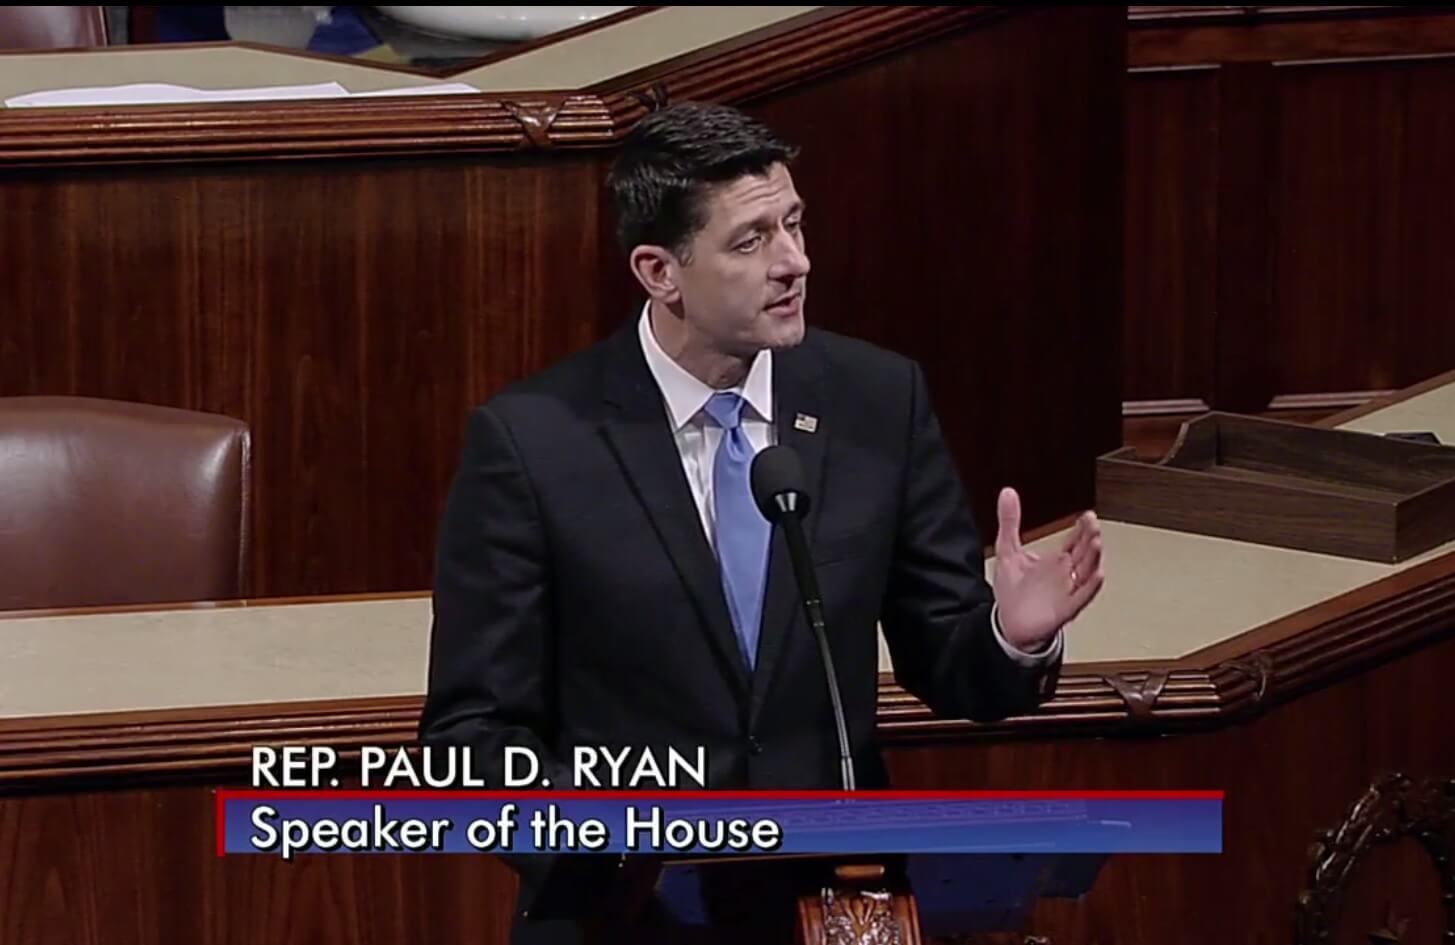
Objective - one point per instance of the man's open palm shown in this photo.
(1041, 593)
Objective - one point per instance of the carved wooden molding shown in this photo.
(535, 120)
(766, 61)
(859, 917)
(1248, 15)
(1140, 696)
(1393, 808)
(859, 906)
(178, 745)
(1228, 684)
(1331, 400)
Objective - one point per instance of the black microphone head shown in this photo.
(778, 487)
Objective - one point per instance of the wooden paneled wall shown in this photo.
(1290, 211)
(351, 278)
(351, 312)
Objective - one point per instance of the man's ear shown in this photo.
(657, 270)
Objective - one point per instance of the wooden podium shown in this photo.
(811, 900)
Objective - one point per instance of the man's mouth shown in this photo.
(785, 301)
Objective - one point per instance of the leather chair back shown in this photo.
(106, 502)
(52, 27)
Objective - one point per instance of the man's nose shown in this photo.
(792, 262)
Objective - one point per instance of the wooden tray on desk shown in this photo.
(1356, 495)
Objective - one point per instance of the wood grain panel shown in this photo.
(987, 255)
(1168, 339)
(1424, 282)
(1324, 180)
(144, 871)
(1287, 776)
(1243, 372)
(1336, 200)
(1315, 33)
(1363, 205)
(350, 312)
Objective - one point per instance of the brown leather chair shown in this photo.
(52, 27)
(106, 502)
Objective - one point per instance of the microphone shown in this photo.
(777, 479)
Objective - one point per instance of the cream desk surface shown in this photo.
(1168, 594)
(571, 62)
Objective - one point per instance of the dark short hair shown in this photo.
(658, 182)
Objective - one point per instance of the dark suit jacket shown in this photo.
(578, 602)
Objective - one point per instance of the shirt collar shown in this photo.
(686, 395)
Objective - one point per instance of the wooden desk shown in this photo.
(1291, 680)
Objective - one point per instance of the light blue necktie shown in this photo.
(742, 531)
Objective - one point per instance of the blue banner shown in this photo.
(291, 823)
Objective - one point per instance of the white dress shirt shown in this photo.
(697, 438)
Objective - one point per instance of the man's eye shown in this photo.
(795, 224)
(749, 244)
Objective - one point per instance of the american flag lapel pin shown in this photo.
(805, 422)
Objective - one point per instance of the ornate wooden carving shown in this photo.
(1140, 695)
(1393, 808)
(860, 905)
(1258, 668)
(536, 119)
(859, 917)
(653, 98)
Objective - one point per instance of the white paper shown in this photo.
(157, 93)
(444, 88)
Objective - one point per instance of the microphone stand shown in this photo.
(813, 610)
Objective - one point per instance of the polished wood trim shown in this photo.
(1160, 408)
(1409, 393)
(326, 128)
(1221, 685)
(209, 605)
(1326, 401)
(1318, 35)
(1147, 16)
(213, 739)
(769, 60)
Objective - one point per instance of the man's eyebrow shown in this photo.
(764, 221)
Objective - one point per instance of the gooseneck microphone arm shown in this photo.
(813, 610)
(776, 478)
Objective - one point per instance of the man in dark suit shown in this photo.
(604, 578)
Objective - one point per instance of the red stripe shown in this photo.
(417, 795)
(221, 819)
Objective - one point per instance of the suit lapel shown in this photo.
(639, 434)
(799, 404)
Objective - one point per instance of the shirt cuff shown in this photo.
(1039, 658)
